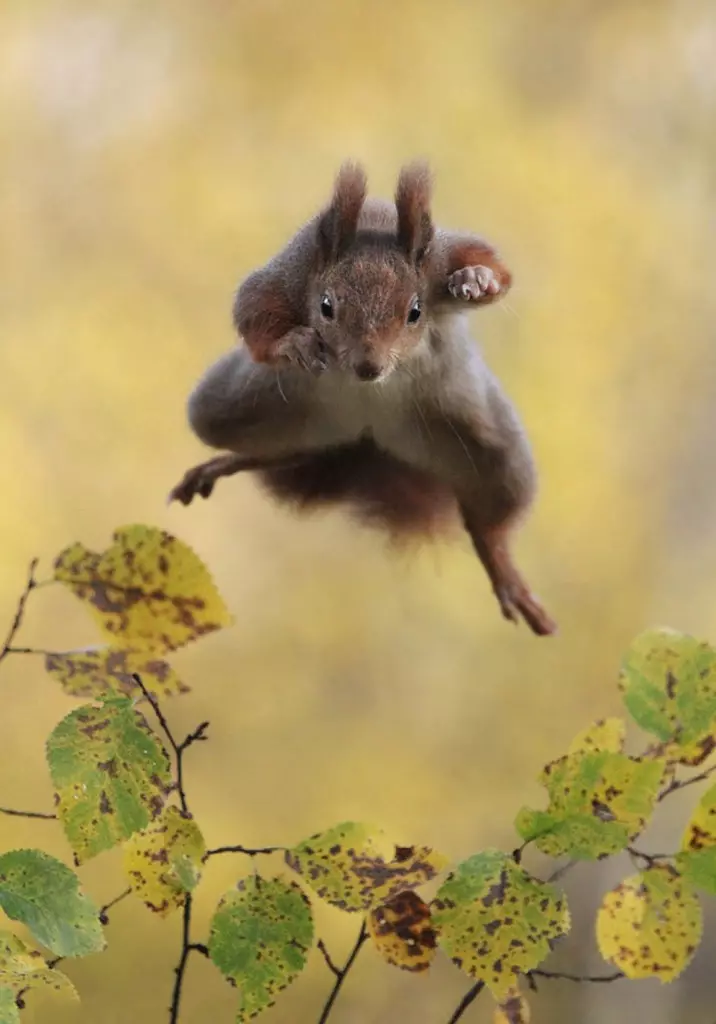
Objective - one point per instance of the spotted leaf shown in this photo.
(514, 1009)
(148, 590)
(99, 671)
(650, 924)
(668, 681)
(9, 1010)
(605, 734)
(163, 861)
(598, 801)
(402, 932)
(44, 894)
(697, 859)
(350, 865)
(495, 921)
(260, 937)
(110, 772)
(23, 967)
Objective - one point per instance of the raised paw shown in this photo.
(199, 480)
(304, 349)
(473, 283)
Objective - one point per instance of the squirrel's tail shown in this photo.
(380, 489)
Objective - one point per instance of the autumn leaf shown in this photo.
(99, 671)
(604, 734)
(514, 1009)
(44, 894)
(346, 866)
(668, 681)
(598, 800)
(697, 859)
(147, 591)
(402, 932)
(650, 924)
(23, 968)
(163, 861)
(110, 772)
(495, 921)
(260, 936)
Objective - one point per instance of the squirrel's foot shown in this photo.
(199, 480)
(305, 349)
(516, 600)
(473, 283)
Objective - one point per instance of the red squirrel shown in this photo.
(359, 384)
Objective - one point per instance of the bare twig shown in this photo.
(180, 969)
(595, 979)
(677, 784)
(341, 972)
(28, 814)
(467, 1000)
(249, 851)
(650, 859)
(327, 957)
(20, 610)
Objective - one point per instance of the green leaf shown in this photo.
(497, 922)
(148, 590)
(346, 865)
(650, 925)
(668, 681)
(44, 894)
(98, 671)
(163, 862)
(9, 1012)
(697, 859)
(110, 772)
(23, 967)
(260, 937)
(598, 802)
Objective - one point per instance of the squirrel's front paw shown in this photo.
(473, 283)
(199, 480)
(305, 349)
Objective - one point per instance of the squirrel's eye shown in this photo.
(414, 312)
(326, 307)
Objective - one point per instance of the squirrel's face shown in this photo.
(369, 311)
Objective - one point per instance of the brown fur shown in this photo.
(412, 202)
(338, 225)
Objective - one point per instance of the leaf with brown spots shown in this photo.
(347, 865)
(514, 1009)
(23, 967)
(650, 925)
(495, 921)
(163, 862)
(604, 734)
(598, 801)
(45, 895)
(148, 590)
(402, 932)
(9, 1010)
(697, 859)
(668, 681)
(110, 772)
(98, 671)
(260, 937)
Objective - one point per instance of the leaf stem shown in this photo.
(467, 1000)
(341, 972)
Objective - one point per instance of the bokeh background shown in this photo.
(151, 155)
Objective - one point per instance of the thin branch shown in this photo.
(341, 973)
(467, 1000)
(677, 784)
(327, 957)
(562, 871)
(649, 858)
(28, 814)
(590, 978)
(30, 650)
(20, 610)
(249, 851)
(180, 970)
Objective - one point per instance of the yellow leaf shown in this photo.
(22, 966)
(163, 862)
(403, 933)
(95, 672)
(650, 925)
(514, 1009)
(606, 734)
(148, 590)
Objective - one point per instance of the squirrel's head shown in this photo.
(368, 297)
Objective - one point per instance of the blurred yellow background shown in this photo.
(152, 154)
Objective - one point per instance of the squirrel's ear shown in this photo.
(338, 225)
(412, 200)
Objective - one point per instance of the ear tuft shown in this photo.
(338, 225)
(412, 200)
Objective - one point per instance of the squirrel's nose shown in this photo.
(367, 371)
